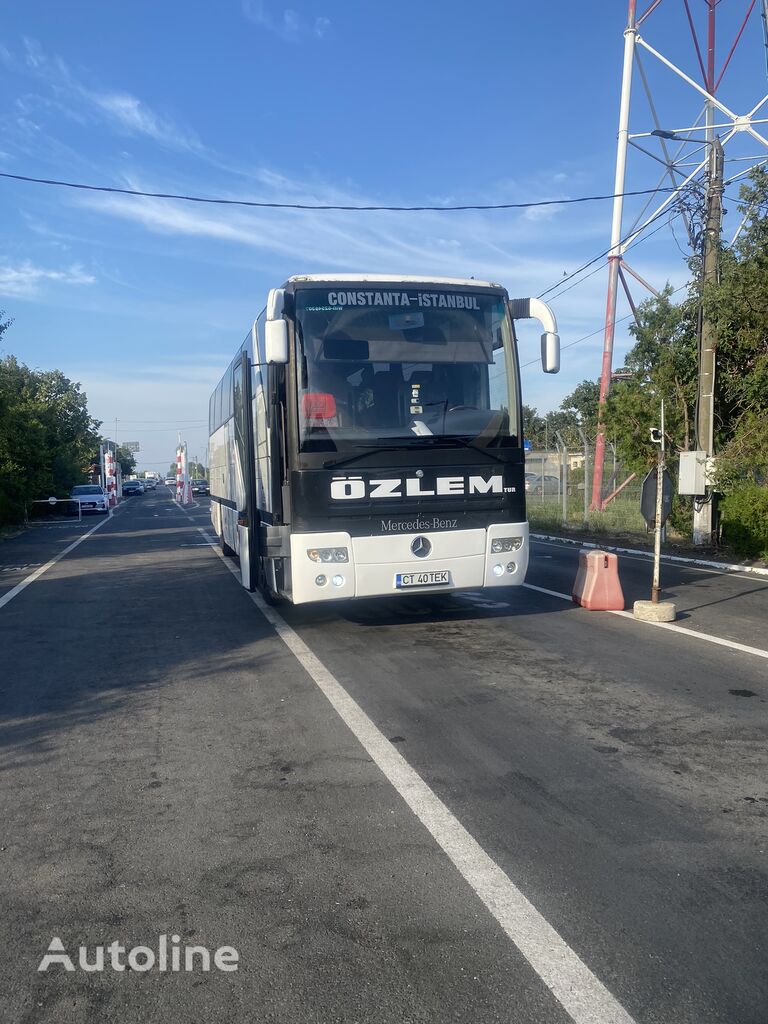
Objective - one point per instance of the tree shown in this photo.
(582, 406)
(661, 365)
(126, 459)
(533, 427)
(738, 306)
(4, 324)
(46, 435)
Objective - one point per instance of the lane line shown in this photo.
(576, 988)
(726, 568)
(680, 630)
(551, 593)
(7, 598)
(721, 641)
(646, 558)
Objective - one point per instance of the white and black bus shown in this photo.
(366, 439)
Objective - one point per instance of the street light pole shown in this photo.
(660, 460)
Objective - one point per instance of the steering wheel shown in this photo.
(458, 408)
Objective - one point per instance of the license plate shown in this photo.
(435, 578)
(89, 504)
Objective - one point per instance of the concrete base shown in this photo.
(664, 611)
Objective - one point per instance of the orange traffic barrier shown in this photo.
(597, 585)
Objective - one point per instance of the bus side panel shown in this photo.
(225, 485)
(260, 421)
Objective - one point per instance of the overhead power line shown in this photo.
(218, 201)
(601, 255)
(600, 330)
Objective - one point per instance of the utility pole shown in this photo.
(705, 428)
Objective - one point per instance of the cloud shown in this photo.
(24, 280)
(290, 25)
(500, 246)
(129, 113)
(121, 110)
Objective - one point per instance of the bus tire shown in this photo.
(266, 593)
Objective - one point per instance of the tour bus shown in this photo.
(366, 439)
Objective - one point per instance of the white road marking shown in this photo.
(733, 644)
(625, 556)
(681, 630)
(552, 593)
(7, 598)
(577, 989)
(718, 568)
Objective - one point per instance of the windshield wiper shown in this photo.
(435, 441)
(370, 450)
(478, 448)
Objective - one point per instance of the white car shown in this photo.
(91, 497)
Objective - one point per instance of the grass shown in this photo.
(620, 517)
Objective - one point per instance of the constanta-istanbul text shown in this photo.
(141, 958)
(425, 300)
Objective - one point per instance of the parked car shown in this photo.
(200, 487)
(541, 484)
(91, 497)
(132, 487)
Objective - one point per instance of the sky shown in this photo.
(425, 102)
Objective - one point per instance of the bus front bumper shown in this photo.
(334, 566)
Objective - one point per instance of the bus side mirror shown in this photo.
(276, 341)
(550, 352)
(535, 309)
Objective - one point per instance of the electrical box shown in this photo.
(692, 478)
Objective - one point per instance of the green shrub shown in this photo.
(744, 515)
(681, 516)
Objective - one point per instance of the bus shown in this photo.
(367, 439)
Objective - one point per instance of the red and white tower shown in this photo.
(183, 486)
(681, 147)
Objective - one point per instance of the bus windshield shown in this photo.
(397, 363)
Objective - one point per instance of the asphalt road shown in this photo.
(167, 766)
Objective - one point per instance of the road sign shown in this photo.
(131, 446)
(648, 498)
(527, 446)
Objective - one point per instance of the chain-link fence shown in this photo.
(558, 485)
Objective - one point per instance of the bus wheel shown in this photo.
(266, 593)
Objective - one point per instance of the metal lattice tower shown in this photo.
(683, 164)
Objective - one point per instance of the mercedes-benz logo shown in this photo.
(421, 547)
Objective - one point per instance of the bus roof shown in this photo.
(392, 278)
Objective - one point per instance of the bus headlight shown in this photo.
(338, 581)
(506, 544)
(498, 570)
(328, 554)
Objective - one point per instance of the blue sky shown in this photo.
(422, 102)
